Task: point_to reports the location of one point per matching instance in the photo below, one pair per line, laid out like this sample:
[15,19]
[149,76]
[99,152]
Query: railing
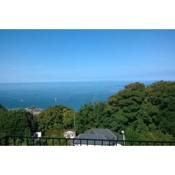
[54,141]
[149,143]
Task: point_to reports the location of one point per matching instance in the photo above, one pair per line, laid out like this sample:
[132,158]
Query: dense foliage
[90,116]
[54,120]
[143,112]
[16,123]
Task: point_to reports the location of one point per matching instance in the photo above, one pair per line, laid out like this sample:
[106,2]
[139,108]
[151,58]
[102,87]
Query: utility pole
[74,123]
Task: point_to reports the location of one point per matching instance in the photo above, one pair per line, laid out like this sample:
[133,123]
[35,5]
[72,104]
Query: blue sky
[86,55]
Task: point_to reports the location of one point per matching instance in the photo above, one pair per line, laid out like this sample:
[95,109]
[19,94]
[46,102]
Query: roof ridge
[110,132]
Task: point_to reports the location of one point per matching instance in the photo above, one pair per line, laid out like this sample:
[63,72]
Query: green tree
[161,95]
[126,105]
[146,112]
[54,120]
[91,115]
[16,123]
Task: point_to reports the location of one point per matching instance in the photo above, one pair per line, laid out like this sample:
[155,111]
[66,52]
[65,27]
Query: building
[97,136]
[34,111]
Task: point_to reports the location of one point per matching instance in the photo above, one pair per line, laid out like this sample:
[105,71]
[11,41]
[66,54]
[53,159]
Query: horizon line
[59,81]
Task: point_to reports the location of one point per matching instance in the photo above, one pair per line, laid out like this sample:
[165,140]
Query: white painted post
[123,134]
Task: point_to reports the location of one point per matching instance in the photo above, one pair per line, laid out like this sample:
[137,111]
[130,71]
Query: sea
[71,94]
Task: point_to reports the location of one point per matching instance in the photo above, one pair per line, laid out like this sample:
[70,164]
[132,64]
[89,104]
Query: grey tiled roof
[108,134]
[97,136]
[91,136]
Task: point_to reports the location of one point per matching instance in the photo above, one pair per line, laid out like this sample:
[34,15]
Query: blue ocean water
[70,94]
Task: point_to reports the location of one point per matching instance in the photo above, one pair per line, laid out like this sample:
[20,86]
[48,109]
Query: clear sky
[85,55]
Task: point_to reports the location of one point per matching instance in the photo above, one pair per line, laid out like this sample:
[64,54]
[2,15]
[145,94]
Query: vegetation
[91,116]
[144,113]
[16,123]
[54,120]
